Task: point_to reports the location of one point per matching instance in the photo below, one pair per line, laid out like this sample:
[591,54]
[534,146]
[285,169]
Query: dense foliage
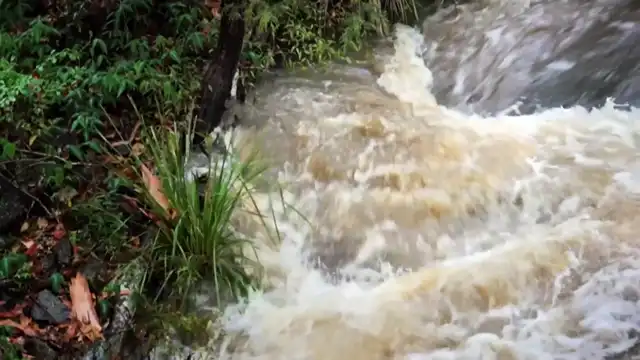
[63,65]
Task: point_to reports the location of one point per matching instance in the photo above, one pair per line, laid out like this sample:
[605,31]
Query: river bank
[83,87]
[361,194]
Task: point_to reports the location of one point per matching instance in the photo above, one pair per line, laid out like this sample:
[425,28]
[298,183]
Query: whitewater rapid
[413,231]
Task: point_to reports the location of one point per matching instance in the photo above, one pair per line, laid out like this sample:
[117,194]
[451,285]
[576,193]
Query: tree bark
[218,79]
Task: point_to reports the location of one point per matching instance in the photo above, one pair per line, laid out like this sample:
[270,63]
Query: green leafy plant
[8,351]
[59,72]
[13,264]
[57,281]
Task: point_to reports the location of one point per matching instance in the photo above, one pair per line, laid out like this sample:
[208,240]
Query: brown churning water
[443,232]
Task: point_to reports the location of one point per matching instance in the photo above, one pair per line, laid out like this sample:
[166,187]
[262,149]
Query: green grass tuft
[200,243]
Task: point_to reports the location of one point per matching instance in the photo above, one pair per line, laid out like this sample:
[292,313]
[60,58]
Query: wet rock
[13,206]
[39,349]
[49,309]
[612,71]
[7,241]
[174,350]
[63,251]
[595,58]
[123,317]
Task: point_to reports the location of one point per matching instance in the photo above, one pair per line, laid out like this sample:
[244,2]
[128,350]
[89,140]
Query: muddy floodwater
[432,221]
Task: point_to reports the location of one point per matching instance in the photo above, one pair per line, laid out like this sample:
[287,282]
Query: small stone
[63,251]
[39,349]
[48,308]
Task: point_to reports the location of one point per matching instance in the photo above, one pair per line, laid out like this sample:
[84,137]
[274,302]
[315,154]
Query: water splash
[440,235]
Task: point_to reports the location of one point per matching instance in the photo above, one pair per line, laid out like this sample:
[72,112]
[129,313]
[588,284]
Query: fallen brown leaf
[17,310]
[154,186]
[25,326]
[82,307]
[90,332]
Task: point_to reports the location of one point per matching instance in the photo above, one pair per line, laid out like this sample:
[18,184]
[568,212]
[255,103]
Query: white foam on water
[452,236]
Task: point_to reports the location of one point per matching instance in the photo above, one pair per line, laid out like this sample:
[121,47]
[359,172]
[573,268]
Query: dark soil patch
[89,226]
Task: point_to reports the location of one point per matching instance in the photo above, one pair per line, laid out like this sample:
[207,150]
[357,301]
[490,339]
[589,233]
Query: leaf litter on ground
[84,324]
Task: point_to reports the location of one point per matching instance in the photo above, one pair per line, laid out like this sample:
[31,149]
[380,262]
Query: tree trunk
[218,79]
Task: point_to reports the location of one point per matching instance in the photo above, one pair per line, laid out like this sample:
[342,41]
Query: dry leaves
[83,309]
[154,186]
[26,326]
[84,325]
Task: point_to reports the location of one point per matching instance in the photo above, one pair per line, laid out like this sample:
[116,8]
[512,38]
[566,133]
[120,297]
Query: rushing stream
[416,230]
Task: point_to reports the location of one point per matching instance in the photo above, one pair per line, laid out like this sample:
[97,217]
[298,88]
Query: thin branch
[26,193]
